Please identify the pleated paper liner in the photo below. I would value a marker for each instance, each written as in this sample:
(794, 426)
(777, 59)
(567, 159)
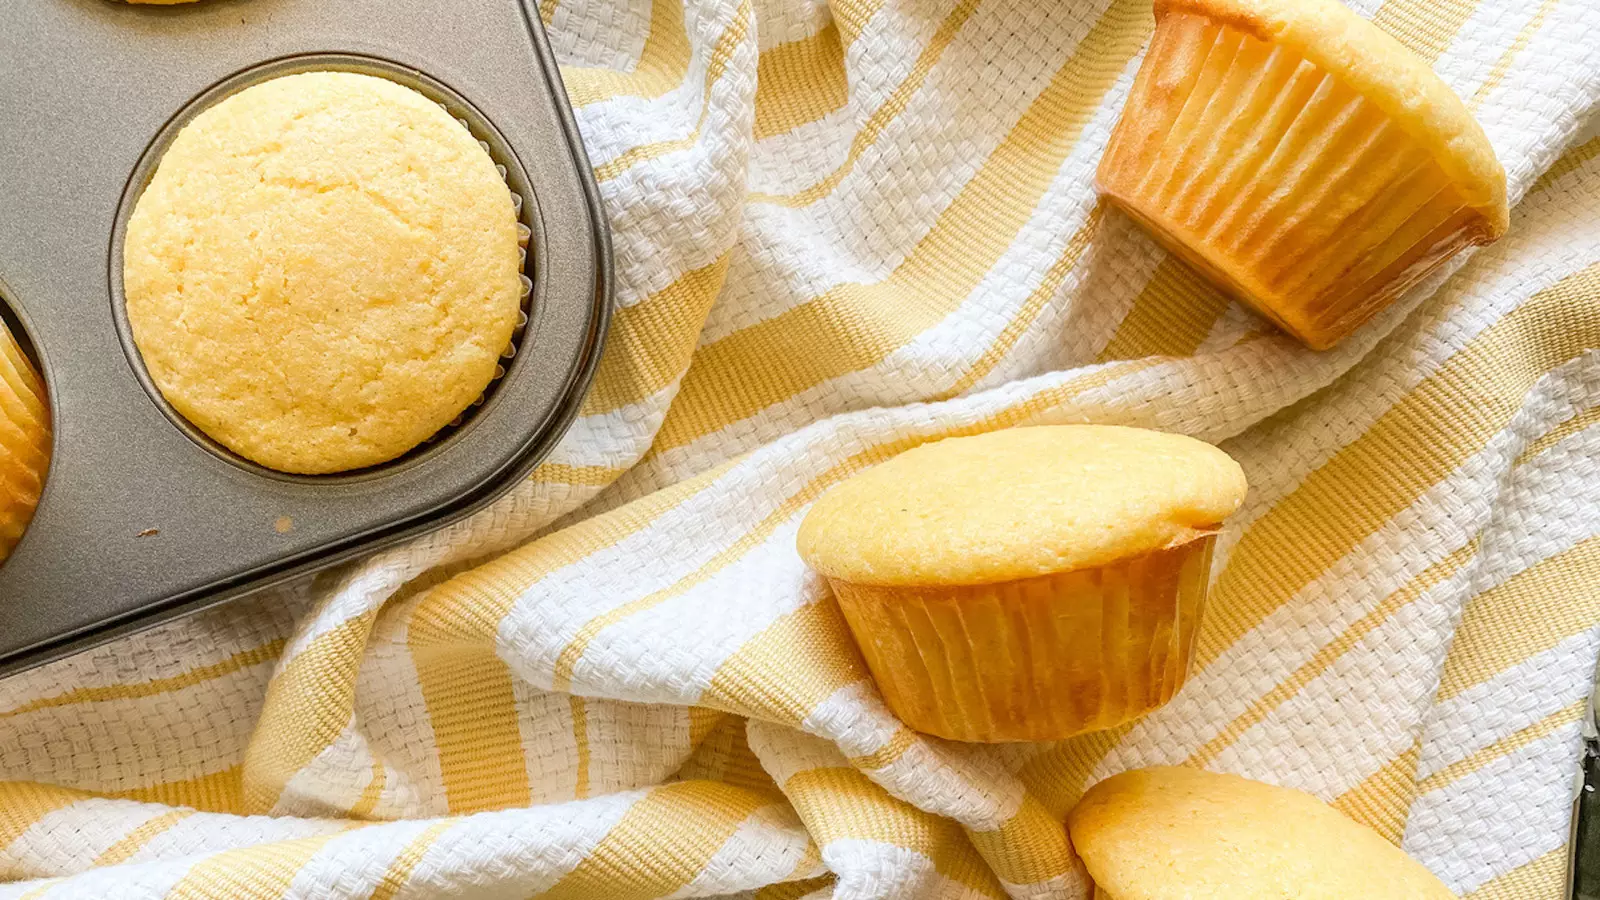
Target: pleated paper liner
(1279, 182)
(1034, 659)
(24, 441)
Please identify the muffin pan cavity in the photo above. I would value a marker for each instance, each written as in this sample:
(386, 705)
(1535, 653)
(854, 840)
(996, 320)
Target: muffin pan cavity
(474, 121)
(145, 518)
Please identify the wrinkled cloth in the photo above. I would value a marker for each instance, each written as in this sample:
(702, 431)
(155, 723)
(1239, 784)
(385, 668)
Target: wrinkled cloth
(843, 229)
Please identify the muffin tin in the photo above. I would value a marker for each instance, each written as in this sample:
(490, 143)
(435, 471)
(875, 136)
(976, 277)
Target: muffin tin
(143, 518)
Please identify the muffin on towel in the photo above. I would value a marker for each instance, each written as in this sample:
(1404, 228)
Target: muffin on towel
(1029, 584)
(323, 272)
(1301, 159)
(24, 441)
(1153, 834)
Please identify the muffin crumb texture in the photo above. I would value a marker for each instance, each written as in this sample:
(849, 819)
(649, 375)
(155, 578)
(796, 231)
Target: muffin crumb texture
(323, 271)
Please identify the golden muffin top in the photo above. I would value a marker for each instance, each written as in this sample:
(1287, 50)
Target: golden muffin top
(1019, 503)
(323, 271)
(1166, 832)
(1380, 68)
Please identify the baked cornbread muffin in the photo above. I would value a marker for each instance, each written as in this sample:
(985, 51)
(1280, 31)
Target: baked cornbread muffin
(323, 271)
(1154, 834)
(1301, 159)
(24, 441)
(1029, 584)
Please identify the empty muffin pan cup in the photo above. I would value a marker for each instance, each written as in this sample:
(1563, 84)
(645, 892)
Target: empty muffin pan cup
(144, 517)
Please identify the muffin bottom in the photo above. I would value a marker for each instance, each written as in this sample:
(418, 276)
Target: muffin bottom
(1034, 659)
(1191, 252)
(1303, 325)
(1278, 181)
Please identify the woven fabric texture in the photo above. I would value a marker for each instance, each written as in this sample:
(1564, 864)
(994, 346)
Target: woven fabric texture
(842, 229)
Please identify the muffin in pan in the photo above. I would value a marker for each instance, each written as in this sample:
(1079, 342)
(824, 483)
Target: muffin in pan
(1152, 834)
(323, 272)
(1301, 159)
(24, 441)
(1028, 584)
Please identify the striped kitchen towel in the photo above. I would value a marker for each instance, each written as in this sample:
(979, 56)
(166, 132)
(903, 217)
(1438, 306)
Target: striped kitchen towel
(842, 229)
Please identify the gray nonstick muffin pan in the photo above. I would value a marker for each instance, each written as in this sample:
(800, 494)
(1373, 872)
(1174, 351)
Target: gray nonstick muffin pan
(143, 518)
